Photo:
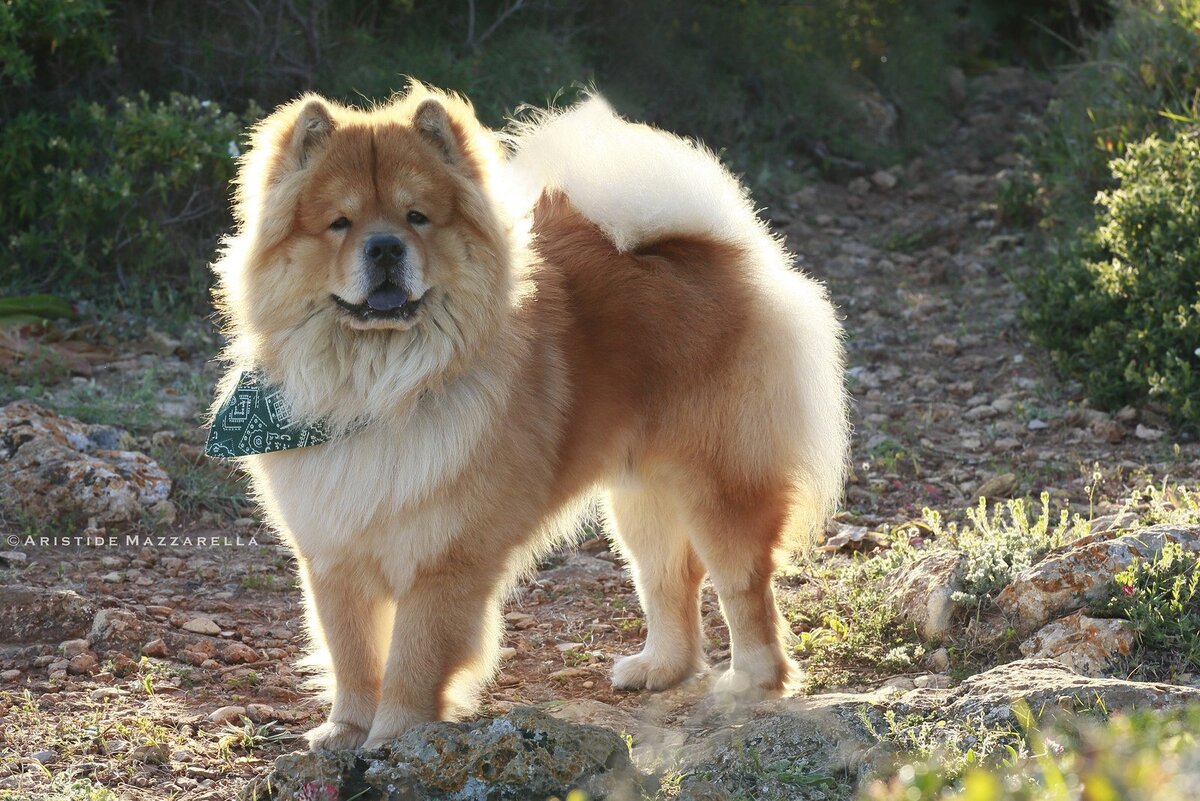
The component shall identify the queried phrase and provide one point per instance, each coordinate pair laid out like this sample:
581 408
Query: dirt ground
949 394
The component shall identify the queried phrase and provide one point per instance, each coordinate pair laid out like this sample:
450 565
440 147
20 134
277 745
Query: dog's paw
767 678
331 736
646 672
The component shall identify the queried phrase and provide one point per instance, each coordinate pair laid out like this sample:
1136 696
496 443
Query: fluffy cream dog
494 338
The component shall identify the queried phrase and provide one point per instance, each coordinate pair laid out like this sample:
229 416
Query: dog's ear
310 131
434 124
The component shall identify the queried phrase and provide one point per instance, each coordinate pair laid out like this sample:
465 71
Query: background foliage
1113 176
119 121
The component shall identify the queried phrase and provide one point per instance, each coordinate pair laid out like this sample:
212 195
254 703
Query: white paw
646 672
390 724
330 736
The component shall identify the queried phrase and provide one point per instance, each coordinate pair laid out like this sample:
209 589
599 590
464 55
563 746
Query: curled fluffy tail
637 183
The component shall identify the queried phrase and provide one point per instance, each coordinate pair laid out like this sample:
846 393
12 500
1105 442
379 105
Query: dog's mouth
387 302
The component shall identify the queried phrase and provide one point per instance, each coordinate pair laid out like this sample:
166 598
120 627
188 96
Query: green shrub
51 36
121 204
1161 598
1120 307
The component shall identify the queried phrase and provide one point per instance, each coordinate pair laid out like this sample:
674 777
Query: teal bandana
255 419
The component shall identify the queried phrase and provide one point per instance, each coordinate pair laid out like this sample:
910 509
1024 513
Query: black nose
384 250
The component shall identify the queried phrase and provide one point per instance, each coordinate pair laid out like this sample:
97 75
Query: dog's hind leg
652 534
737 535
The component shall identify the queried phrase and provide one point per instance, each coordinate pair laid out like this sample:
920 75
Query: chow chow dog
495 329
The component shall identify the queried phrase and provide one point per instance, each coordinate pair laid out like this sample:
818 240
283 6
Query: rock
506 654
1147 433
884 179
227 714
45 757
1086 645
202 625
104 693
156 647
1108 430
1127 414
39 615
525 754
112 578
237 653
51 465
859 186
72 648
939 660
81 664
921 592
934 680
1037 425
520 620
1042 684
945 344
12 559
10 675
260 713
116 628
1080 573
1001 486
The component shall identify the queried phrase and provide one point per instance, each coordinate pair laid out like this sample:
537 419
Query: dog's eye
340 224
417 218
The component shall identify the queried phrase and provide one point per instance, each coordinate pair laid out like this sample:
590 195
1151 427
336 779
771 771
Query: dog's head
370 238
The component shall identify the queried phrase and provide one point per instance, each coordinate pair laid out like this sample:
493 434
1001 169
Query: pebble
103 693
71 648
936 681
587 685
159 611
10 675
884 179
112 578
239 653
568 647
155 648
1037 425
1147 433
12 558
859 186
939 660
45 757
227 714
520 620
202 625
1003 405
82 663
507 653
260 713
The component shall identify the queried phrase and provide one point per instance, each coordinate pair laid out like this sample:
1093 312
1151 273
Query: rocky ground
148 640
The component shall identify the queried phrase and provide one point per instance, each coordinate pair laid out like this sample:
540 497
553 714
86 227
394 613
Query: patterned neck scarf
255 419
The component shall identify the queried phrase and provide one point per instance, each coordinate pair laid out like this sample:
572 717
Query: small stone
10 675
520 620
1003 405
1037 425
45 757
159 611
1086 645
202 625
237 653
227 714
1108 430
568 647
936 681
922 592
939 660
570 673
71 648
945 345
981 413
1001 486
507 654
112 578
82 663
153 753
156 648
104 693
12 558
859 186
1127 414
260 713
884 179
1147 433
587 685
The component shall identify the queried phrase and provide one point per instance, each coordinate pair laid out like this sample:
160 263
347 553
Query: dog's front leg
351 614
444 645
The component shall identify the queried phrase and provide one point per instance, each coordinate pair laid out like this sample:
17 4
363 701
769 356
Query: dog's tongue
388 297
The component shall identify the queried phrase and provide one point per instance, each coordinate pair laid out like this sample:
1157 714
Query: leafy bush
1161 598
120 203
1120 307
51 36
1143 756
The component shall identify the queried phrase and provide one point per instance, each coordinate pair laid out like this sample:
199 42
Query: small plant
1161 598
